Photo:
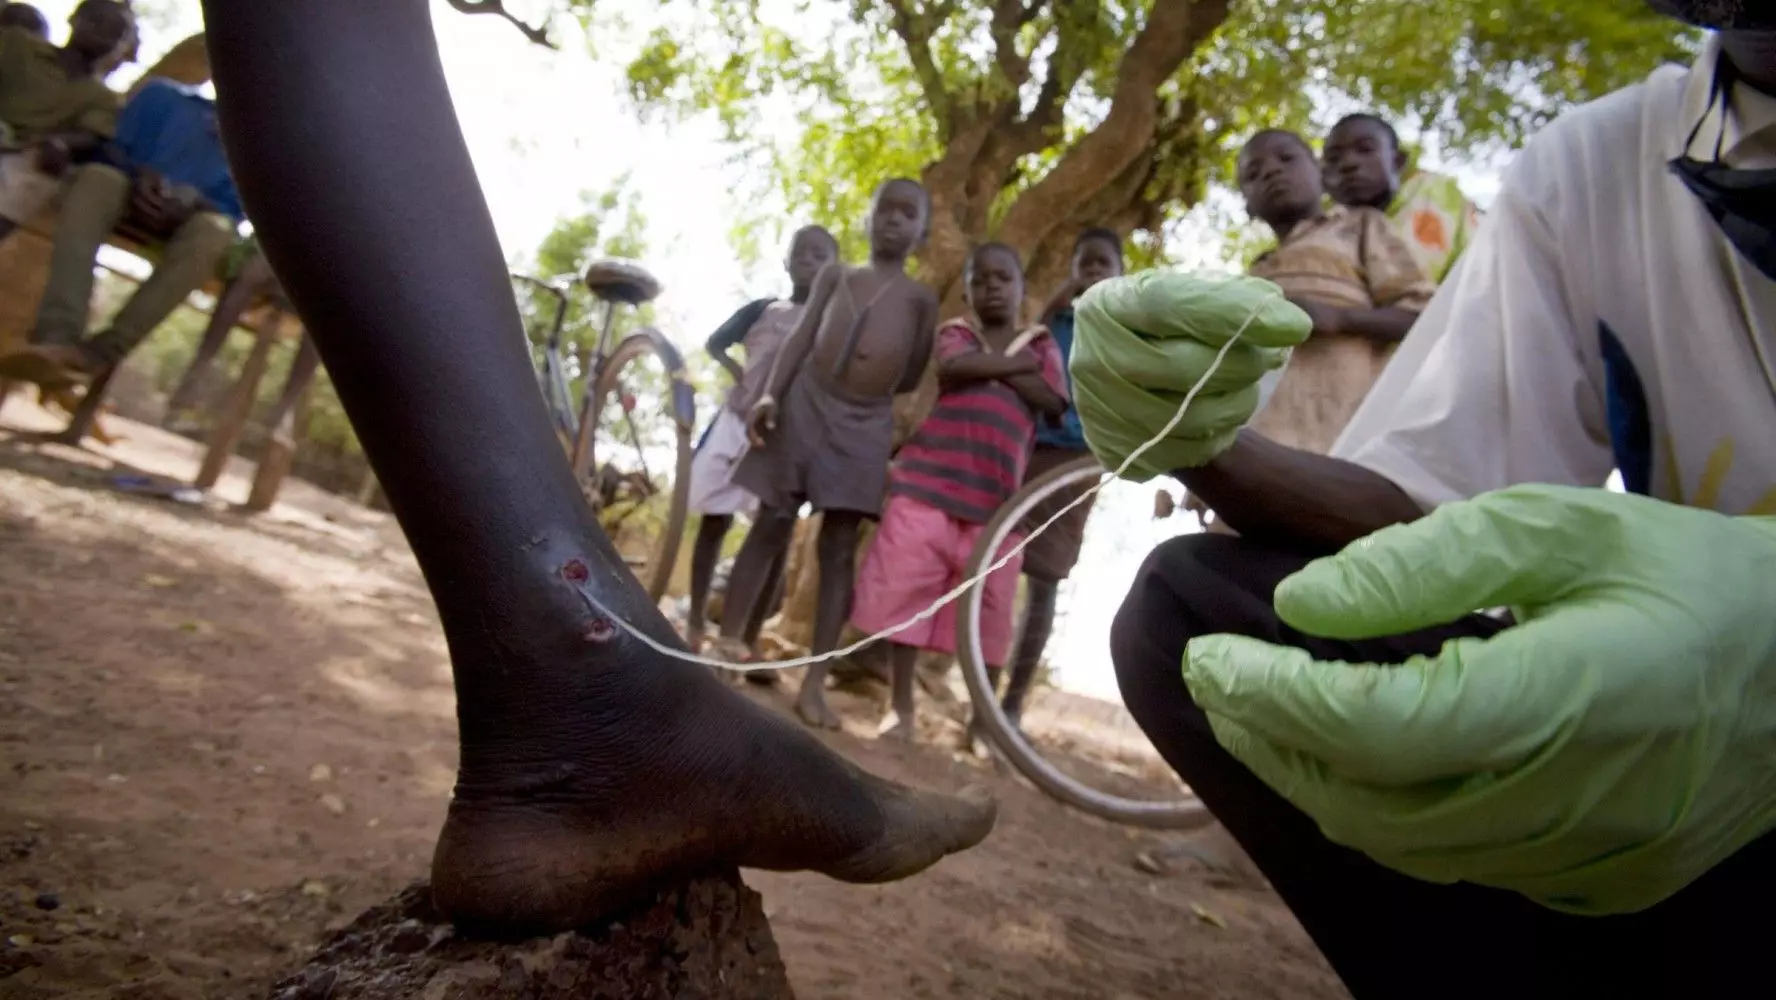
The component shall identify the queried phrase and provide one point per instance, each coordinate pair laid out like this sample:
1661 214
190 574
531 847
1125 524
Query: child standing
967 458
1348 268
761 326
1363 165
1049 558
822 429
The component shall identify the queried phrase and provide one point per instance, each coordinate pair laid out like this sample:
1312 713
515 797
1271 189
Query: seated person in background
54 106
1348 269
864 339
965 460
23 15
762 326
1364 167
172 179
1097 254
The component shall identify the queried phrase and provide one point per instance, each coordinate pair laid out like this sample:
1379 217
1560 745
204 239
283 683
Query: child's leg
746 584
755 622
904 661
837 552
761 612
1039 613
712 530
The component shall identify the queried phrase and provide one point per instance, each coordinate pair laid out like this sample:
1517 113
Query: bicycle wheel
1048 754
635 432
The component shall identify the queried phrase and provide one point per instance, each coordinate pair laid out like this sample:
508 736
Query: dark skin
1319 504
994 289
23 15
94 32
882 356
593 771
1093 261
1282 187
811 250
1361 165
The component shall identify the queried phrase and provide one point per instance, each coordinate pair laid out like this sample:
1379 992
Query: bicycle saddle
622 281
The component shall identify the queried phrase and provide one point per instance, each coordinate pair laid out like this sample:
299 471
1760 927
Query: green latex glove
1597 757
1141 342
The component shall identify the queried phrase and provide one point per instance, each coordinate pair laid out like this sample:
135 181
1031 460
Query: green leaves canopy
1029 119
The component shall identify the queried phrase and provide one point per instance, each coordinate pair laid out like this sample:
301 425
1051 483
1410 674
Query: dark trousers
1386 934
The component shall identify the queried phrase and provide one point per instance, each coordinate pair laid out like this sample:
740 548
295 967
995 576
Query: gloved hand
1597 757
1141 342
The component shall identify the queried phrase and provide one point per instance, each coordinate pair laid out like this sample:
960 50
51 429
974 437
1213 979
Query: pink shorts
920 554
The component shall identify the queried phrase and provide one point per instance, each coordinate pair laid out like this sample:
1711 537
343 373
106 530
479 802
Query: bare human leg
763 610
593 770
837 551
1039 616
748 584
903 662
712 530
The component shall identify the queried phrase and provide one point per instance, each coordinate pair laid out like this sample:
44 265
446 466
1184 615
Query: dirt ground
221 736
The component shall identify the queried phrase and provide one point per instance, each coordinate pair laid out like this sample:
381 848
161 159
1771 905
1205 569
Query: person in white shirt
1616 312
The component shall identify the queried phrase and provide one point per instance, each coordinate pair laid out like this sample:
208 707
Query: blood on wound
576 572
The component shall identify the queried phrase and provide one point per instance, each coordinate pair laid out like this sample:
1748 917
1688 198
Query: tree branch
1009 17
915 28
537 34
1065 66
1173 31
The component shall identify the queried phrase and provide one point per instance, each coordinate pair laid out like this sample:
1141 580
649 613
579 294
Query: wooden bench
24 271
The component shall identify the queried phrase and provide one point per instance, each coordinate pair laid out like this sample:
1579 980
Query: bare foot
896 726
674 776
812 708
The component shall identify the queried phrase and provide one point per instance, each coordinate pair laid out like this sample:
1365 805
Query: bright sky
545 126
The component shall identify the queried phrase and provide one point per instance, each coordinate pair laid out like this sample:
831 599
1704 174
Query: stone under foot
703 938
662 791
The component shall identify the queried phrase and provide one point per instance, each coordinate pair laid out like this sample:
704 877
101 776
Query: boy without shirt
823 428
761 327
965 460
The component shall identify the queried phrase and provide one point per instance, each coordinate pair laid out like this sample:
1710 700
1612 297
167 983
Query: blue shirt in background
1066 434
171 130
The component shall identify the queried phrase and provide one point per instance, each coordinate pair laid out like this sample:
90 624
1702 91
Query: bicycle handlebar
560 303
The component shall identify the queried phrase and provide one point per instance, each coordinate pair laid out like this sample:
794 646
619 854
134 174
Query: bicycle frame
555 384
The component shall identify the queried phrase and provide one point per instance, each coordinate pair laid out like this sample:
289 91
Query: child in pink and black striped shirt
966 459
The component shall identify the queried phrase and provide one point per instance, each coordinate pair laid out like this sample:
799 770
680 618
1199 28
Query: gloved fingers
1176 364
1520 546
1440 831
1478 706
1210 310
1118 423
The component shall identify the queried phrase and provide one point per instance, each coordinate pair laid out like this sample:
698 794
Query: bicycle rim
1183 813
655 557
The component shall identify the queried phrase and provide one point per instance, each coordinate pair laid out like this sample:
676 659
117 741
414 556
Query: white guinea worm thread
955 593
